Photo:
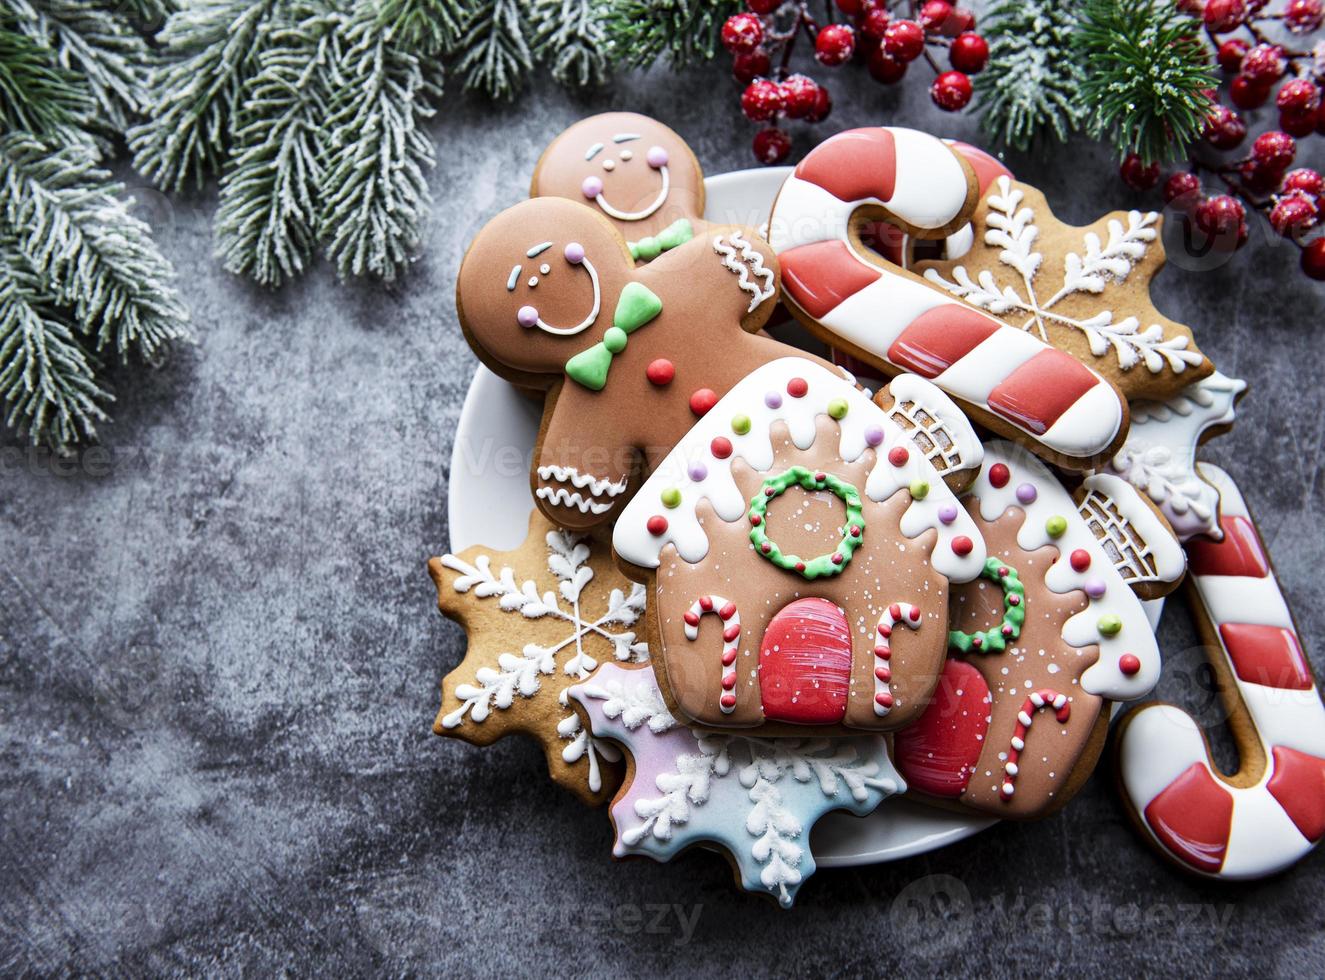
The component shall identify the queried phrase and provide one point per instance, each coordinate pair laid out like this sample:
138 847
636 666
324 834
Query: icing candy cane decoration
731 641
909 616
877 308
1271 812
1045 697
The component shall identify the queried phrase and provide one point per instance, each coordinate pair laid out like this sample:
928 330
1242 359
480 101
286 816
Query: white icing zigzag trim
748 261
560 495
598 485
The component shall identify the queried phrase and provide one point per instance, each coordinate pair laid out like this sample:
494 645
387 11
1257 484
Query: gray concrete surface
219 654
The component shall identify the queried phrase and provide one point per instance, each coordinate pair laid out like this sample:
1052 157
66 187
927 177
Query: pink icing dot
1095 588
574 253
947 513
873 436
698 471
527 317
773 400
591 187
657 157
1026 493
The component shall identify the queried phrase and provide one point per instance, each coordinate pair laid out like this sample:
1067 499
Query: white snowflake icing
521 673
1012 229
683 791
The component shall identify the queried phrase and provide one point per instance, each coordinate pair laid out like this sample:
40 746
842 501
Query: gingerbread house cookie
1051 632
798 544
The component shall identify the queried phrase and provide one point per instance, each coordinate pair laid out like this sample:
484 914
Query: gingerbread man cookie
1085 290
753 799
1271 812
1051 633
630 357
635 171
798 544
539 619
852 295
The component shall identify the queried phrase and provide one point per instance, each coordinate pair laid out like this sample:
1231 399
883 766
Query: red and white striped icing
899 612
1037 389
731 641
696 472
1188 809
1043 698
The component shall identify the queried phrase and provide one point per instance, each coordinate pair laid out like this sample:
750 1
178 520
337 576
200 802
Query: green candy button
1056 526
1109 625
919 489
671 497
741 424
837 408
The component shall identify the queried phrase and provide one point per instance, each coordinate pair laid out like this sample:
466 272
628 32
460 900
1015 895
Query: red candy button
1129 664
661 372
962 545
657 525
1080 560
898 455
797 387
702 400
721 447
999 476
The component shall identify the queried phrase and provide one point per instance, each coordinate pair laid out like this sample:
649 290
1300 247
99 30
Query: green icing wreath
995 640
823 565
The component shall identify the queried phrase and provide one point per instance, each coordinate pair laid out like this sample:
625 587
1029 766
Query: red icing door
937 755
805 664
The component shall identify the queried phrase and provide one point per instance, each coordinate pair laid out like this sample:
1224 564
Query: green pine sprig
1029 91
36 94
684 31
494 56
571 40
423 27
1146 77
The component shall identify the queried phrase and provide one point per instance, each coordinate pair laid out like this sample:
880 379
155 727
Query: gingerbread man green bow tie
637 306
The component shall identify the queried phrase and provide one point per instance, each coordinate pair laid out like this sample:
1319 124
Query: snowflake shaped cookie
539 619
1084 290
755 798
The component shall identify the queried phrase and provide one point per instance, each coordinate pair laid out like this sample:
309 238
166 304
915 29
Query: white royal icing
741 258
1159 456
636 544
1104 677
966 452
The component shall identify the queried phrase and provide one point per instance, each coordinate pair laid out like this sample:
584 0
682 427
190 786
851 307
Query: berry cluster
872 32
1291 200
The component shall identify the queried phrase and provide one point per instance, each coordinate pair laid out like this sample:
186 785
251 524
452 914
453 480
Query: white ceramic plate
489 503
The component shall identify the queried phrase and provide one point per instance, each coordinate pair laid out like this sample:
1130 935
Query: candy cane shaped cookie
851 296
899 612
731 641
1271 812
1046 697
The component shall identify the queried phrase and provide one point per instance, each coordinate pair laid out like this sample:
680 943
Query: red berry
934 14
742 33
1303 179
823 105
1246 94
1193 7
1320 119
1299 95
1293 214
761 100
1274 151
1264 64
1297 124
1256 177
951 91
1182 190
751 65
1222 218
835 44
763 6
969 52
851 7
885 68
1231 53
960 21
1304 16
904 40
874 23
771 145
1136 175
1313 259
798 95
1222 16
1224 128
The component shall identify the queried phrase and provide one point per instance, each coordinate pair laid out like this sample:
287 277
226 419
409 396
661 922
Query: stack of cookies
760 585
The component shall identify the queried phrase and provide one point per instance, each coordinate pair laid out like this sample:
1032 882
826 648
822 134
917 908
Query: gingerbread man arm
581 471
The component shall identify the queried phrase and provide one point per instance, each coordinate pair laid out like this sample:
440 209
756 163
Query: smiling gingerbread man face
634 170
